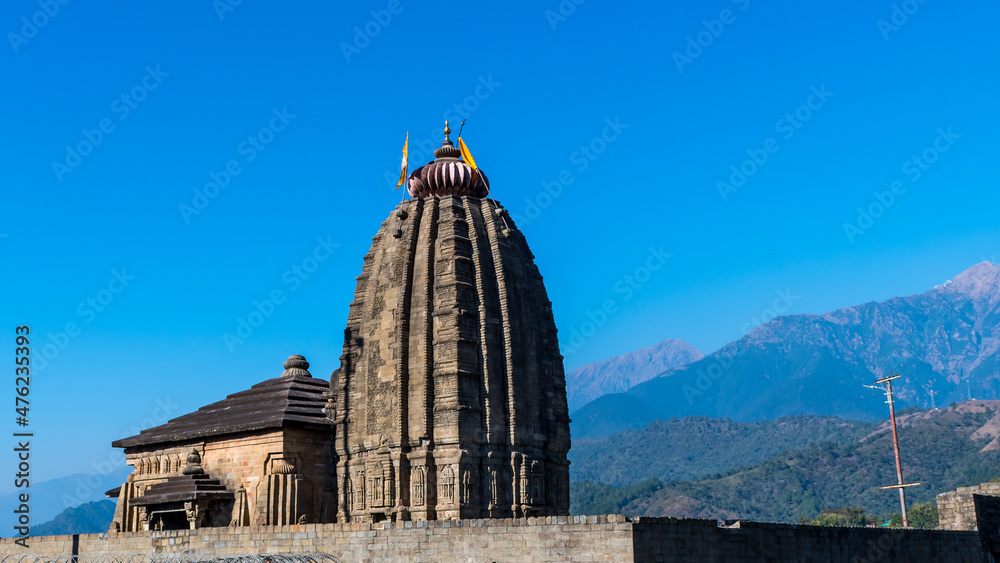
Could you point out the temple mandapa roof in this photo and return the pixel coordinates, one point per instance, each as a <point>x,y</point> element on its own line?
<point>294,399</point>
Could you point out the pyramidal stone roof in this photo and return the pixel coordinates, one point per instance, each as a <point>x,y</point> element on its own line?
<point>294,399</point>
<point>192,484</point>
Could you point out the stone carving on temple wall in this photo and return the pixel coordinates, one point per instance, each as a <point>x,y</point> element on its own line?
<point>492,485</point>
<point>446,485</point>
<point>537,489</point>
<point>379,484</point>
<point>358,486</point>
<point>417,476</point>
<point>468,495</point>
<point>156,465</point>
<point>191,511</point>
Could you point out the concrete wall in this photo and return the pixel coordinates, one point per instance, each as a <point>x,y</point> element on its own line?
<point>579,538</point>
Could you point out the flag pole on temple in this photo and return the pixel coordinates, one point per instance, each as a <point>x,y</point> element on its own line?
<point>467,156</point>
<point>405,164</point>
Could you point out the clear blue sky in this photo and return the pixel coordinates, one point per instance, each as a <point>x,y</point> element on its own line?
<point>535,87</point>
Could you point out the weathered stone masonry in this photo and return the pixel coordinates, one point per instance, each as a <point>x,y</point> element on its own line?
<point>590,538</point>
<point>269,448</point>
<point>957,509</point>
<point>975,509</point>
<point>451,398</point>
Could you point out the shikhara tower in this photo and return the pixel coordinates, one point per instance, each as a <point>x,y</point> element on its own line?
<point>451,399</point>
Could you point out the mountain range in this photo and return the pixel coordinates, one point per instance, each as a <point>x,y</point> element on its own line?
<point>619,374</point>
<point>945,342</point>
<point>942,449</point>
<point>48,499</point>
<point>89,518</point>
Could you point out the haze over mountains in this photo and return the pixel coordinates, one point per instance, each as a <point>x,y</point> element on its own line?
<point>617,375</point>
<point>89,518</point>
<point>48,499</point>
<point>945,342</point>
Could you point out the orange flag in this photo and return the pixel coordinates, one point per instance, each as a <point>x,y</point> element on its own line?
<point>468,158</point>
<point>402,174</point>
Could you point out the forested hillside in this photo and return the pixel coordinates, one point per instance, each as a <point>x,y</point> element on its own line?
<point>692,447</point>
<point>942,449</point>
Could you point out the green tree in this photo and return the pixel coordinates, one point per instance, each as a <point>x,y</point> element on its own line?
<point>923,516</point>
<point>855,517</point>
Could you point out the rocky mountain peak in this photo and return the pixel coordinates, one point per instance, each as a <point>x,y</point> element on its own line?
<point>621,373</point>
<point>980,282</point>
<point>946,342</point>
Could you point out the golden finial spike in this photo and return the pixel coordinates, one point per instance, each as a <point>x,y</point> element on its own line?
<point>447,130</point>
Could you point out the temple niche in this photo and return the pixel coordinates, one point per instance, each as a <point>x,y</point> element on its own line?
<point>450,399</point>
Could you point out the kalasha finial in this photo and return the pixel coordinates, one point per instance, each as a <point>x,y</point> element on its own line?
<point>193,466</point>
<point>447,131</point>
<point>447,149</point>
<point>296,365</point>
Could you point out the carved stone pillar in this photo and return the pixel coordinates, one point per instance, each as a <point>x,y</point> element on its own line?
<point>191,511</point>
<point>241,510</point>
<point>143,519</point>
<point>285,503</point>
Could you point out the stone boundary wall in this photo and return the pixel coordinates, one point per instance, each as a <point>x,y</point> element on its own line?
<point>598,539</point>
<point>988,521</point>
<point>575,538</point>
<point>957,509</point>
<point>690,541</point>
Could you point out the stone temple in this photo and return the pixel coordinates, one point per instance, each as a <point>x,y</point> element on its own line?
<point>450,399</point>
<point>441,437</point>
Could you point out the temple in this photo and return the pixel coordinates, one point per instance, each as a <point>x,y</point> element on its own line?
<point>260,456</point>
<point>450,399</point>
